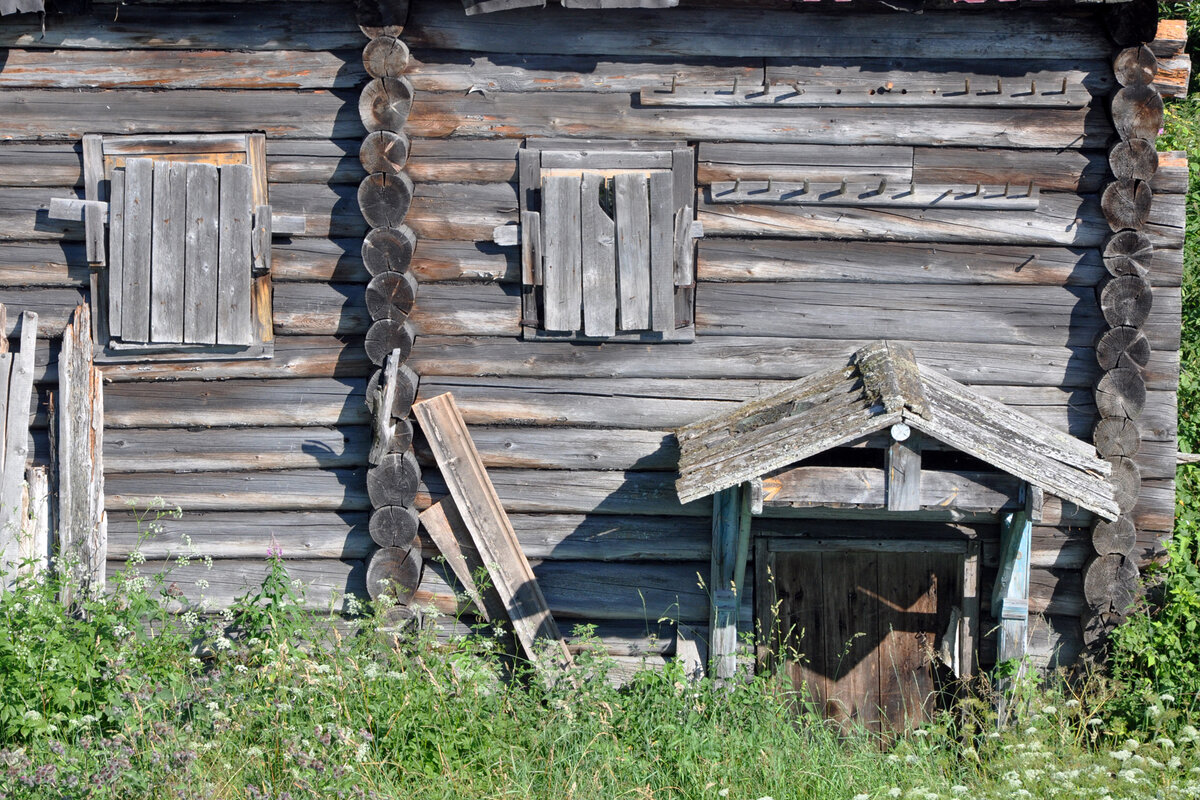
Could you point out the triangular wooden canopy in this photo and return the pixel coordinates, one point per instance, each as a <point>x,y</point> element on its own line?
<point>881,386</point>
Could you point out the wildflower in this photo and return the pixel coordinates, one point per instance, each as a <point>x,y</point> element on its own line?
<point>223,643</point>
<point>856,797</point>
<point>894,791</point>
<point>201,583</point>
<point>1120,755</point>
<point>120,631</point>
<point>922,732</point>
<point>1155,711</point>
<point>1072,703</point>
<point>1165,743</point>
<point>958,788</point>
<point>1175,762</point>
<point>240,668</point>
<point>723,793</point>
<point>1050,711</point>
<point>1167,698</point>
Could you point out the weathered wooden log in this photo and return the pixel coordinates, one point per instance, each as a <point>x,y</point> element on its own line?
<point>390,295</point>
<point>1114,538</point>
<point>386,335</point>
<point>1097,626</point>
<point>385,103</point>
<point>1110,583</point>
<point>1126,480</point>
<point>1133,66</point>
<point>1128,253</point>
<point>394,482</point>
<point>1133,159</point>
<point>1137,113</point>
<point>381,17</point>
<point>1122,346</point>
<point>405,392</point>
<point>1117,436</point>
<point>1126,300</point>
<point>322,489</point>
<point>399,439</point>
<point>1121,393</point>
<point>394,571</point>
<point>388,249</point>
<point>387,152</point>
<point>1132,23</point>
<point>394,526</point>
<point>1127,203</point>
<point>387,57</point>
<point>384,199</point>
<point>233,449</point>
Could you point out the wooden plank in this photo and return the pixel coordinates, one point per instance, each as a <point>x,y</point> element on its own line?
<point>233,272</point>
<point>662,252</point>
<point>450,533</point>
<point>271,26</point>
<point>531,114</point>
<point>853,629</point>
<point>794,95</point>
<point>751,33</point>
<point>79,458</point>
<point>201,254</point>
<point>865,486</point>
<point>215,449</point>
<point>878,194</point>
<point>59,115</point>
<point>93,173</point>
<point>491,531</point>
<point>903,467</point>
<point>598,260</point>
<point>35,520</point>
<point>562,254</point>
<point>16,384</point>
<point>114,280</point>
<point>800,623</point>
<point>633,250</point>
<point>167,252</point>
<point>263,490</point>
<point>139,216</point>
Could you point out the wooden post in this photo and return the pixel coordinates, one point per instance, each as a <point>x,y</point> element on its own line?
<point>34,548</point>
<point>730,549</point>
<point>1010,595</point>
<point>82,522</point>
<point>904,469</point>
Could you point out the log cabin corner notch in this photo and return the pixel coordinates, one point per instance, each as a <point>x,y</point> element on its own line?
<point>748,460</point>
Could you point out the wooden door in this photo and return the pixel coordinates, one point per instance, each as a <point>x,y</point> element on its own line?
<point>857,630</point>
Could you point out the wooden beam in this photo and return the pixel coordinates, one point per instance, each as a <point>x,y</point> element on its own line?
<point>490,529</point>
<point>16,387</point>
<point>878,194</point>
<point>903,489</point>
<point>1017,94</point>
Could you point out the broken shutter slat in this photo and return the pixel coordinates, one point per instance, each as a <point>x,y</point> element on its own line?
<point>256,159</point>
<point>633,250</point>
<point>167,252</point>
<point>683,173</point>
<point>135,289</point>
<point>200,261</point>
<point>531,267</point>
<point>262,240</point>
<point>561,259</point>
<point>233,282</point>
<point>684,266</point>
<point>116,250</point>
<point>662,252</point>
<point>599,261</point>
<point>93,189</point>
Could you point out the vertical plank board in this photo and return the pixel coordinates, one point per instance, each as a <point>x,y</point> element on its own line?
<point>5,370</point>
<point>683,176</point>
<point>685,248</point>
<point>801,632</point>
<point>598,261</point>
<point>79,447</point>
<point>201,254</point>
<point>633,251</point>
<point>167,252</point>
<point>260,249</point>
<point>561,265</point>
<point>256,159</point>
<point>93,189</point>
<point>139,214</point>
<point>903,489</point>
<point>35,537</point>
<point>531,267</point>
<point>261,323</point>
<point>116,251</point>
<point>529,168</point>
<point>233,270</point>
<point>15,441</point>
<point>968,635</point>
<point>491,531</point>
<point>852,631</point>
<point>662,252</point>
<point>449,532</point>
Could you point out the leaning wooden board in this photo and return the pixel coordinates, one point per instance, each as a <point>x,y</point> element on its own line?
<point>482,513</point>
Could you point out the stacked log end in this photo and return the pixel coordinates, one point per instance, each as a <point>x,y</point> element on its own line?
<point>1110,576</point>
<point>384,196</point>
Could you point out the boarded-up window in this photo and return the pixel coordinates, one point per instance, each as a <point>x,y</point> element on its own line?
<point>186,271</point>
<point>607,240</point>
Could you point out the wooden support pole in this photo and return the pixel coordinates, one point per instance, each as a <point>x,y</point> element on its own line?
<point>82,523</point>
<point>16,387</point>
<point>730,550</point>
<point>1010,595</point>
<point>903,489</point>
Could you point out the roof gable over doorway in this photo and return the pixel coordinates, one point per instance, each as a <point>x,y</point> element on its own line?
<point>881,386</point>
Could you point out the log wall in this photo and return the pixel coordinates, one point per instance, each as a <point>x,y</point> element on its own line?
<point>577,435</point>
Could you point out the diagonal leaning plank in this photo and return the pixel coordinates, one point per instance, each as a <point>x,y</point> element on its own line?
<point>490,529</point>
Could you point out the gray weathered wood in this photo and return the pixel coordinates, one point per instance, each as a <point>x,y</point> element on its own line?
<point>386,336</point>
<point>562,253</point>
<point>1133,159</point>
<point>79,459</point>
<point>381,402</point>
<point>385,57</point>
<point>598,260</point>
<point>1121,392</point>
<point>217,449</point>
<point>1135,66</point>
<point>685,248</point>
<point>233,271</point>
<point>394,526</point>
<point>662,252</point>
<point>93,174</point>
<point>260,245</point>
<point>1126,300</point>
<point>384,199</point>
<point>393,482</point>
<point>1127,204</point>
<point>1137,112</point>
<point>388,249</point>
<point>114,280</point>
<point>390,295</point>
<point>135,290</point>
<point>450,534</point>
<point>16,385</point>
<point>903,467</point>
<point>263,490</point>
<point>394,572</point>
<point>385,104</point>
<point>485,518</point>
<point>1128,253</point>
<point>384,151</point>
<point>782,95</point>
<point>633,250</point>
<point>877,194</point>
<point>1122,346</point>
<point>168,252</point>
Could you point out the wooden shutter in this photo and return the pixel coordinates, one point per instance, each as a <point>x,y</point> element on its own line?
<point>606,246</point>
